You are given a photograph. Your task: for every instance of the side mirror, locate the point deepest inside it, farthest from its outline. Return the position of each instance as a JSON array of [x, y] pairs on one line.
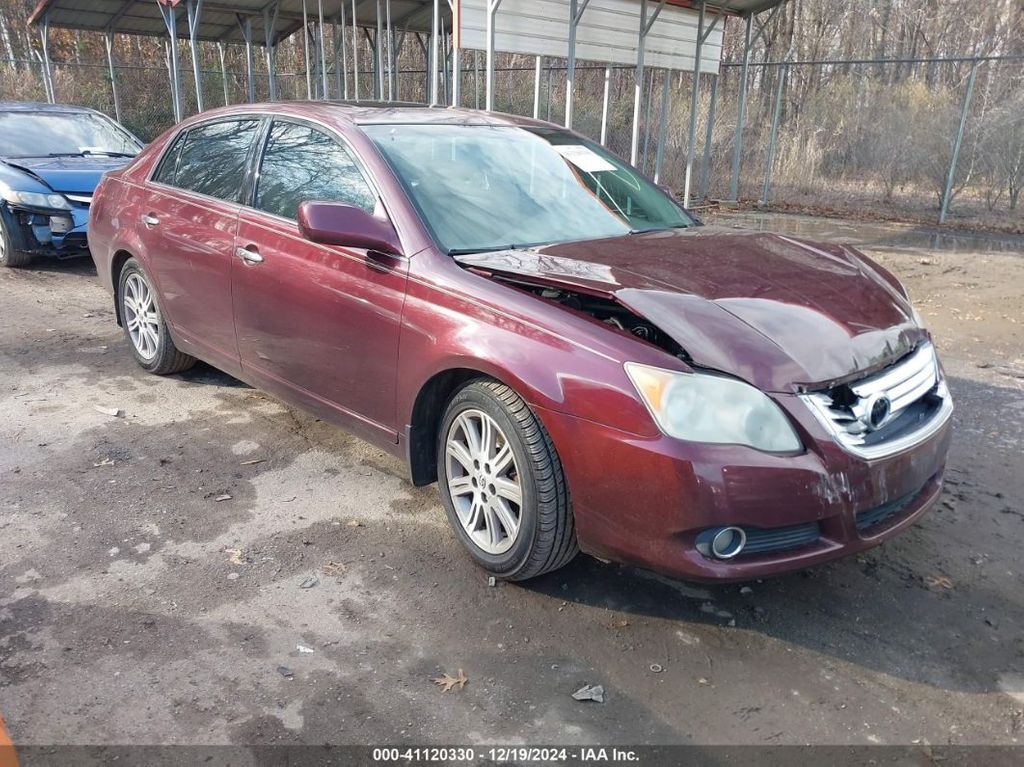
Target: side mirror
[[336, 223]]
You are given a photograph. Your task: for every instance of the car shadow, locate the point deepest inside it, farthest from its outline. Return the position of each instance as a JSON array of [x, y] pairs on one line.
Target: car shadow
[[206, 375], [81, 265]]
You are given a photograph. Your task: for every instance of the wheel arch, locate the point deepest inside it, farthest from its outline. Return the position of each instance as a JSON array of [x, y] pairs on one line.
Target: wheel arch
[[117, 262], [427, 409]]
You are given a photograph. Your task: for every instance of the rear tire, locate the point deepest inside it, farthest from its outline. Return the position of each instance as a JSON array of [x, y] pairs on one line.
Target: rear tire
[[144, 326], [492, 450], [8, 255]]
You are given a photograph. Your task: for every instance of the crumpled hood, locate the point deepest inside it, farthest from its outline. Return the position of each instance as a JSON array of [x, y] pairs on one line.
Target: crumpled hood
[[776, 311], [70, 175]]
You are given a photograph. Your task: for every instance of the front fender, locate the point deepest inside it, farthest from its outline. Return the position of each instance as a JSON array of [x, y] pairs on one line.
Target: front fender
[[548, 359]]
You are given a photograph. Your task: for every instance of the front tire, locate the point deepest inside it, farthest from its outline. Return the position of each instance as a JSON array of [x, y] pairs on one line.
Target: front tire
[[144, 326], [9, 256], [502, 483]]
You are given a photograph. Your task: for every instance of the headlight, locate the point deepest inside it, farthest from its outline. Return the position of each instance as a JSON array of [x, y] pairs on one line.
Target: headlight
[[710, 408], [37, 199]]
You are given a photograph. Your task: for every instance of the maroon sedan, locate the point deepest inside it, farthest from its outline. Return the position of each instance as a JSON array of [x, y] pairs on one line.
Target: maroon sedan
[[530, 322]]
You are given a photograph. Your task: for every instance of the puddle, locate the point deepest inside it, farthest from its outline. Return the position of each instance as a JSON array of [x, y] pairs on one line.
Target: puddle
[[873, 235]]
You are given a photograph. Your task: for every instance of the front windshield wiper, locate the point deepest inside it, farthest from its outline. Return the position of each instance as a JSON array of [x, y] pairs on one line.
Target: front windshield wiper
[[659, 228], [89, 153], [471, 251]]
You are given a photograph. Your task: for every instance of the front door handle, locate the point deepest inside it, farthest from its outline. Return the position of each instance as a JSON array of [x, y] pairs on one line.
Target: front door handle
[[249, 256], [150, 220]]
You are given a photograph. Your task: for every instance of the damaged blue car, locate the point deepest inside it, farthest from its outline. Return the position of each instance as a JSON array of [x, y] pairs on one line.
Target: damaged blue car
[[52, 157]]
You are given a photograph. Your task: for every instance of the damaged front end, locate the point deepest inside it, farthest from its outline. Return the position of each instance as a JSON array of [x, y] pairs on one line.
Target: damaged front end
[[45, 231]]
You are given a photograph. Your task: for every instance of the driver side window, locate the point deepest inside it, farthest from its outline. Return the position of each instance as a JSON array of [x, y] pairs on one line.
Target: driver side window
[[302, 163]]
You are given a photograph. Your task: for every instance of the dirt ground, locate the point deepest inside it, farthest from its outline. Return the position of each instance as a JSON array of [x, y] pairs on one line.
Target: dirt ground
[[215, 567]]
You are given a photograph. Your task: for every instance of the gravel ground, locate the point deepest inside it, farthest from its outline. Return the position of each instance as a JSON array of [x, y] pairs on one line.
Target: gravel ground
[[214, 567]]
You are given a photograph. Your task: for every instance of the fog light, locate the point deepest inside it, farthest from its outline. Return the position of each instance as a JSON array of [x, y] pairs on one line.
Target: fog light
[[60, 224], [721, 542]]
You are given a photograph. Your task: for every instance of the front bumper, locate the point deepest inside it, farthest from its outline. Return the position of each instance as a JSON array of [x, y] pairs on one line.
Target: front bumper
[[643, 501], [45, 232]]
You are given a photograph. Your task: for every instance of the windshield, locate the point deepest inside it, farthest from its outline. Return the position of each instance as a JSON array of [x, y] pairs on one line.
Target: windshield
[[482, 187], [45, 134]]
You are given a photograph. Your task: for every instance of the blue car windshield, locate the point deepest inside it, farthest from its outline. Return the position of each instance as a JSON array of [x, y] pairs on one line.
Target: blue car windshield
[[68, 134]]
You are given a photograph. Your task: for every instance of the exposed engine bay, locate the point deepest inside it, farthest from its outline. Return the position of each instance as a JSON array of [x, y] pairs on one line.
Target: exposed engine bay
[[605, 310]]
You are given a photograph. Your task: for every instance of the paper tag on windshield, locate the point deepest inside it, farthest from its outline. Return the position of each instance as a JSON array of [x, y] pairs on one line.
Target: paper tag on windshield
[[583, 158]]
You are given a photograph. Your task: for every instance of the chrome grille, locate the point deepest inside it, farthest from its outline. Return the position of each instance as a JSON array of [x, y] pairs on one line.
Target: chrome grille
[[887, 412], [81, 199]]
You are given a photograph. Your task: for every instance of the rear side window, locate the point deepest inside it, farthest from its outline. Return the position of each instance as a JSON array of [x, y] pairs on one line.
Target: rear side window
[[302, 163], [210, 159]]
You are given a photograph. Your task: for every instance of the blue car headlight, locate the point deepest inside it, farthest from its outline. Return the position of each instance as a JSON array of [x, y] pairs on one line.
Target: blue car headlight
[[36, 199]]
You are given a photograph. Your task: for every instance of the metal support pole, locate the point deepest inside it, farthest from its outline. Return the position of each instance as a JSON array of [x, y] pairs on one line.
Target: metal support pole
[[773, 137], [223, 72], [340, 42], [171, 22], [576, 9], [378, 53], [536, 88], [305, 50], [737, 147], [604, 105], [323, 52], [245, 23], [638, 85], [705, 165], [964, 108], [390, 51], [44, 33], [270, 47], [108, 41], [476, 79], [355, 52], [193, 9], [649, 102], [456, 45], [435, 30], [445, 60], [659, 152], [492, 9], [547, 95], [694, 95]]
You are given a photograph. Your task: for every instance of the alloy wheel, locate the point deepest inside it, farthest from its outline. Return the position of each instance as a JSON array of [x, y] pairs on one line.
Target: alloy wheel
[[483, 481], [141, 316]]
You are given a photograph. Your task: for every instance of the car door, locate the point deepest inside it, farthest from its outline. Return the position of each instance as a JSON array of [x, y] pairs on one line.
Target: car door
[[317, 324], [188, 223]]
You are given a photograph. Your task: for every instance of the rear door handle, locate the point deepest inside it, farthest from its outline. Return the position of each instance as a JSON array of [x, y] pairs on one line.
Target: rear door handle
[[249, 256], [150, 220]]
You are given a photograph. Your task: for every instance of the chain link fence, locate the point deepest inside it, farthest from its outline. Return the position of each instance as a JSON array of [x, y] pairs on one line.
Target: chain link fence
[[859, 137]]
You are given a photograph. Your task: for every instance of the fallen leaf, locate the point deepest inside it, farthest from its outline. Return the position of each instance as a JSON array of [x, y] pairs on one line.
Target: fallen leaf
[[939, 581], [448, 682], [617, 625], [334, 568], [234, 556]]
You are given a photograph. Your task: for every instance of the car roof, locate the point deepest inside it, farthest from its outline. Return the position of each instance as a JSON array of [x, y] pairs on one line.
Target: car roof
[[375, 113], [42, 106]]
